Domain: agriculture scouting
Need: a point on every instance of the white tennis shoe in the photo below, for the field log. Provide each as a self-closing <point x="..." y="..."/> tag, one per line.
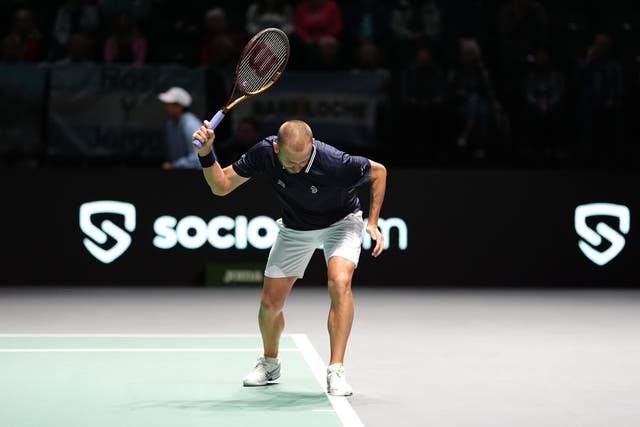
<point x="264" y="372"/>
<point x="337" y="382"/>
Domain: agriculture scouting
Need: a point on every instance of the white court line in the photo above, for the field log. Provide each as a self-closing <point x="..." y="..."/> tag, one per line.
<point x="343" y="408"/>
<point x="131" y="350"/>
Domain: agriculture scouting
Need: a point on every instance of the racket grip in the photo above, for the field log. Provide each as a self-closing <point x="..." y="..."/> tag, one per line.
<point x="213" y="123"/>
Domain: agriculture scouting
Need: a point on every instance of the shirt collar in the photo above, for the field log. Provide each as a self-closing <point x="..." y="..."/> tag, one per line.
<point x="313" y="156"/>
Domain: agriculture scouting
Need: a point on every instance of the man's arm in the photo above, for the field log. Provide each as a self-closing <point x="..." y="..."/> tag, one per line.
<point x="221" y="181"/>
<point x="378" y="186"/>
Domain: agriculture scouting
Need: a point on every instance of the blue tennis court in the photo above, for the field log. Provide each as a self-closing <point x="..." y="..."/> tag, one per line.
<point x="160" y="380"/>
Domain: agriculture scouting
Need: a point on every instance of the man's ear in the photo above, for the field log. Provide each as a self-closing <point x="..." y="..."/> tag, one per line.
<point x="275" y="147"/>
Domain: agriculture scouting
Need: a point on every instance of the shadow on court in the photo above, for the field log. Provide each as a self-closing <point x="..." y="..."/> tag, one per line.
<point x="248" y="399"/>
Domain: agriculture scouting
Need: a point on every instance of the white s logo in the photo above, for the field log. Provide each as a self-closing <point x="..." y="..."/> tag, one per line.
<point x="594" y="238"/>
<point x="107" y="228"/>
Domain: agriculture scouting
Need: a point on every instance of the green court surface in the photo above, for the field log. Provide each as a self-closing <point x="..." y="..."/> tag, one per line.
<point x="160" y="380"/>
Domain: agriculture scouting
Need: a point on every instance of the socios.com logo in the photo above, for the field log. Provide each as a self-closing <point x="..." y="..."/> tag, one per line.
<point x="225" y="232"/>
<point x="97" y="236"/>
<point x="192" y="232"/>
<point x="594" y="238"/>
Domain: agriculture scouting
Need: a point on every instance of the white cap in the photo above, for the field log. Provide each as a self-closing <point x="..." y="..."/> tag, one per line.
<point x="176" y="95"/>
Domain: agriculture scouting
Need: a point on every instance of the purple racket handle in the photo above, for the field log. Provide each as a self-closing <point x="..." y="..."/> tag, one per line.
<point x="213" y="123"/>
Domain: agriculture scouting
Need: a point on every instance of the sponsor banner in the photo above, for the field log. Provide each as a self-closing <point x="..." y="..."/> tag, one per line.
<point x="113" y="110"/>
<point x="342" y="107"/>
<point x="22" y="89"/>
<point x="232" y="274"/>
<point x="451" y="228"/>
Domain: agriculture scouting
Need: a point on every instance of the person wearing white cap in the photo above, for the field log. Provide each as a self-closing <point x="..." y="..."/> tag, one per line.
<point x="180" y="125"/>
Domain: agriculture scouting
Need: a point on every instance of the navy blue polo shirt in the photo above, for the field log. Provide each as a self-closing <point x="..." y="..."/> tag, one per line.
<point x="323" y="192"/>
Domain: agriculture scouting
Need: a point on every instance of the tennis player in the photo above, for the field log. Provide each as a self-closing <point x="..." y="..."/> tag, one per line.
<point x="317" y="186"/>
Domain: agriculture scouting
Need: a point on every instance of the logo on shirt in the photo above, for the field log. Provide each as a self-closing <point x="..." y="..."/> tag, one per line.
<point x="313" y="189"/>
<point x="281" y="184"/>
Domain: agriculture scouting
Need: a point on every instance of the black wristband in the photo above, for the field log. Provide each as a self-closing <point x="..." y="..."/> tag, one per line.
<point x="208" y="160"/>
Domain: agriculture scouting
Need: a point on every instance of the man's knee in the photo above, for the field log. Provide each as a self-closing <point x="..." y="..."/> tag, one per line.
<point x="271" y="302"/>
<point x="274" y="294"/>
<point x="340" y="284"/>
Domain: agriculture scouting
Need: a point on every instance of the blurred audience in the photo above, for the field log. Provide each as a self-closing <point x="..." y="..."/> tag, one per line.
<point x="221" y="44"/>
<point x="588" y="95"/>
<point x="544" y="87"/>
<point x="422" y="100"/>
<point x="470" y="92"/>
<point x="245" y="136"/>
<point x="366" y="24"/>
<point x="600" y="100"/>
<point x="25" y="42"/>
<point x="139" y="10"/>
<point x="366" y="20"/>
<point x="369" y="57"/>
<point x="414" y="22"/>
<point x="269" y="14"/>
<point x="318" y="25"/>
<point x="125" y="44"/>
<point x="74" y="17"/>
<point x="78" y="50"/>
<point x="523" y="28"/>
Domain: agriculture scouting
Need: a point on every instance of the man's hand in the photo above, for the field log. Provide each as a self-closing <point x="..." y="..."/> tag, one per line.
<point x="206" y="136"/>
<point x="374" y="232"/>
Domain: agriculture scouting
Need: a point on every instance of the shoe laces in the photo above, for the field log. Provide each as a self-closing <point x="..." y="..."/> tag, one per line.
<point x="265" y="364"/>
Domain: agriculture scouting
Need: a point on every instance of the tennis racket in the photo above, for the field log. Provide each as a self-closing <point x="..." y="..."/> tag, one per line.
<point x="261" y="64"/>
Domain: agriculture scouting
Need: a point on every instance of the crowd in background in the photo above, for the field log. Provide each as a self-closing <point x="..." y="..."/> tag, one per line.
<point x="470" y="81"/>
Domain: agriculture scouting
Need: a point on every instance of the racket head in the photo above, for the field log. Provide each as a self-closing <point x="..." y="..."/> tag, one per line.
<point x="262" y="61"/>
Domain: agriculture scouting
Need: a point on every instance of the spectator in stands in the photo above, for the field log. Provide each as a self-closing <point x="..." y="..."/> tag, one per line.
<point x="74" y="17"/>
<point x="414" y="23"/>
<point x="523" y="27"/>
<point x="244" y="137"/>
<point x="139" y="10"/>
<point x="179" y="128"/>
<point x="221" y="44"/>
<point x="472" y="97"/>
<point x="78" y="50"/>
<point x="544" y="87"/>
<point x="125" y="45"/>
<point x="600" y="99"/>
<point x="11" y="49"/>
<point x="422" y="98"/>
<point x="366" y="20"/>
<point x="269" y="14"/>
<point x="318" y="25"/>
<point x="369" y="56"/>
<point x="25" y="42"/>
<point x="366" y="30"/>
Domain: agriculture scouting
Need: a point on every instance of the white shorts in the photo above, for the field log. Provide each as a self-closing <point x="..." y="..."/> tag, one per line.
<point x="292" y="250"/>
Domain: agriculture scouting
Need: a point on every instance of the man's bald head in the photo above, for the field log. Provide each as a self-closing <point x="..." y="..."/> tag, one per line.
<point x="295" y="136"/>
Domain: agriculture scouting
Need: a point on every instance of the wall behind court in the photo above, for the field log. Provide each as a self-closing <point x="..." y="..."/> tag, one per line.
<point x="450" y="228"/>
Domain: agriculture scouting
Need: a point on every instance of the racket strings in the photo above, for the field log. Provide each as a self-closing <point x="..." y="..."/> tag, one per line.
<point x="262" y="61"/>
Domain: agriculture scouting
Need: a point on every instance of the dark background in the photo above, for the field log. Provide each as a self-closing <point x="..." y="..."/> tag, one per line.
<point x="489" y="146"/>
<point x="593" y="49"/>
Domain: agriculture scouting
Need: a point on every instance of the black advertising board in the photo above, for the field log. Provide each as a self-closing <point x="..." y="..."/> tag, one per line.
<point x="443" y="227"/>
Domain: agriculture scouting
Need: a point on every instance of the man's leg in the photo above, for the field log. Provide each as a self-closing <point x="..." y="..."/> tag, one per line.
<point x="271" y="320"/>
<point x="340" y="273"/>
<point x="270" y="315"/>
